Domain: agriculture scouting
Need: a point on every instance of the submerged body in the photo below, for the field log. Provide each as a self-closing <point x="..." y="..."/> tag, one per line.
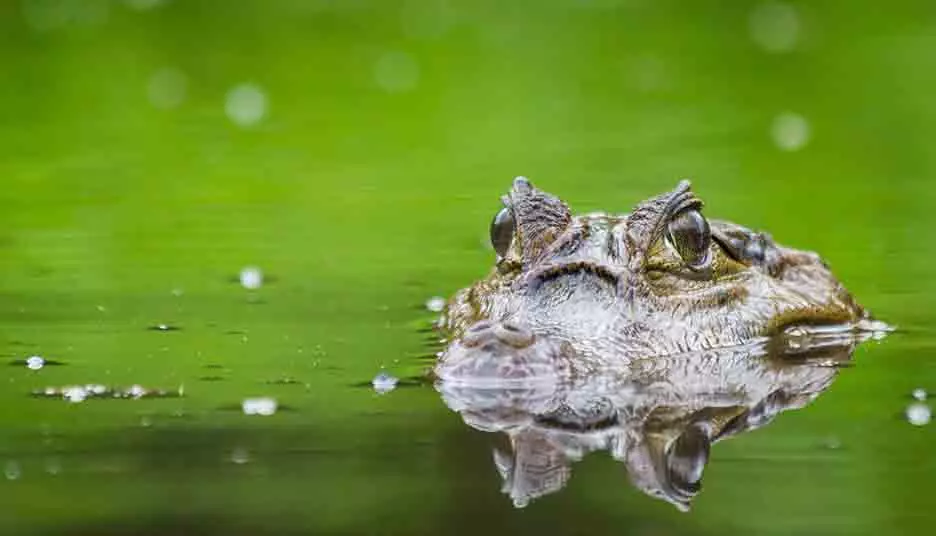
<point x="569" y="294"/>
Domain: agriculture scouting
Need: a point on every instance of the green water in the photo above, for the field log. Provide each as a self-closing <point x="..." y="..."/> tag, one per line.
<point x="365" y="187"/>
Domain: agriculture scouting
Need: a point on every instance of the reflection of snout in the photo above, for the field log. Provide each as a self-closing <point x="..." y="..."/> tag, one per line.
<point x="501" y="352"/>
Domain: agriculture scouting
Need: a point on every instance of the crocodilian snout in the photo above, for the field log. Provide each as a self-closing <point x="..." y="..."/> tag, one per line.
<point x="496" y="353"/>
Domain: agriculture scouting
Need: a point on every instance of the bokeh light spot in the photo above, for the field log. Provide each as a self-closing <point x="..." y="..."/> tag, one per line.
<point x="246" y="105"/>
<point x="790" y="131"/>
<point x="775" y="27"/>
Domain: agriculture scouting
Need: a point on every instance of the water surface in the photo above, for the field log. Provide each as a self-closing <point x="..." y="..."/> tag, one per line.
<point x="355" y="152"/>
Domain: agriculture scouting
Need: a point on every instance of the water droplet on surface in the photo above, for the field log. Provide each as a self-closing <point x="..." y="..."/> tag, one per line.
<point x="136" y="391"/>
<point x="167" y="88"/>
<point x="74" y="394"/>
<point x="12" y="470"/>
<point x="246" y="105"/>
<point x="919" y="393"/>
<point x="790" y="131"/>
<point x="775" y="27"/>
<point x="384" y="383"/>
<point x="918" y="414"/>
<point x="53" y="466"/>
<point x="251" y="278"/>
<point x="163" y="327"/>
<point x="259" y="406"/>
<point x="35" y="362"/>
<point x="435" y="304"/>
<point x="396" y="72"/>
<point x="240" y="456"/>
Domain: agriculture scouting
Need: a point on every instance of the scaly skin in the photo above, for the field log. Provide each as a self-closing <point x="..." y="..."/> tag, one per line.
<point x="651" y="335"/>
<point x="615" y="288"/>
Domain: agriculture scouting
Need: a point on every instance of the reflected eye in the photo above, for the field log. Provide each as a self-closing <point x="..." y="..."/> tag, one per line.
<point x="502" y="230"/>
<point x="690" y="234"/>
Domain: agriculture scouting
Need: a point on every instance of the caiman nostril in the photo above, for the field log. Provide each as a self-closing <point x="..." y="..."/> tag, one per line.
<point x="482" y="325"/>
<point x="514" y="335"/>
<point x="477" y="333"/>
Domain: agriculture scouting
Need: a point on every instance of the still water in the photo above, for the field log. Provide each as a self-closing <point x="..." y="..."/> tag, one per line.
<point x="220" y="222"/>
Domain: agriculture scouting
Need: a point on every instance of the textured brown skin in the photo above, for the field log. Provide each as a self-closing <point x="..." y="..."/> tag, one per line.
<point x="614" y="289"/>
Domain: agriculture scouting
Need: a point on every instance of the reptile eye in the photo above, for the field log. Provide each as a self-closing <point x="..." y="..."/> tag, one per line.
<point x="502" y="230"/>
<point x="689" y="233"/>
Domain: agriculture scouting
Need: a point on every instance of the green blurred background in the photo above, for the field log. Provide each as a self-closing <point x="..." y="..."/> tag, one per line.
<point x="355" y="151"/>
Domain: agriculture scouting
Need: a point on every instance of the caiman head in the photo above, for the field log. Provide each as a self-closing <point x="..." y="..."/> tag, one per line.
<point x="661" y="280"/>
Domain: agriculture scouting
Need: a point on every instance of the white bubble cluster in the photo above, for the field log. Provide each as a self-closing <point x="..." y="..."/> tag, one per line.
<point x="790" y="132"/>
<point x="75" y="394"/>
<point x="396" y="72"/>
<point x="259" y="406"/>
<point x="435" y="304"/>
<point x="251" y="277"/>
<point x="918" y="414"/>
<point x="167" y="88"/>
<point x="35" y="362"/>
<point x="384" y="383"/>
<point x="246" y="105"/>
<point x="775" y="27"/>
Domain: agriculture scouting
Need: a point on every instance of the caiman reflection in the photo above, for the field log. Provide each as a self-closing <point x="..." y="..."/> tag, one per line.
<point x="657" y="416"/>
<point x="651" y="335"/>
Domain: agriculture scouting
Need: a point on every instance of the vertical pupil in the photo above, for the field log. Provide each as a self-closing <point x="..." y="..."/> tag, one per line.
<point x="502" y="229"/>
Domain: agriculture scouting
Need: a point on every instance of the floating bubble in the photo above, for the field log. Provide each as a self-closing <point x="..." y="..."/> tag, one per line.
<point x="396" y="72"/>
<point x="74" y="394"/>
<point x="136" y="391"/>
<point x="246" y="105"/>
<point x="435" y="304"/>
<point x="167" y="88"/>
<point x="919" y="393"/>
<point x="240" y="456"/>
<point x="918" y="414"/>
<point x="259" y="406"/>
<point x="163" y="327"/>
<point x="53" y="466"/>
<point x="384" y="383"/>
<point x="775" y="27"/>
<point x="790" y="131"/>
<point x="96" y="389"/>
<point x="251" y="278"/>
<point x="12" y="470"/>
<point x="35" y="362"/>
